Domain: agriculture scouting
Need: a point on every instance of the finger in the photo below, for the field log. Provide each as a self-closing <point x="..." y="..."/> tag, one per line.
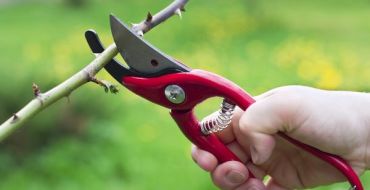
<point x="204" y="159"/>
<point x="272" y="185"/>
<point x="230" y="175"/>
<point x="252" y="184"/>
<point x="261" y="121"/>
<point x="232" y="132"/>
<point x="227" y="135"/>
<point x="238" y="151"/>
<point x="258" y="172"/>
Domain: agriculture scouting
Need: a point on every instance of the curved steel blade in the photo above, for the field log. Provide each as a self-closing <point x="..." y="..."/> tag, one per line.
<point x="139" y="54"/>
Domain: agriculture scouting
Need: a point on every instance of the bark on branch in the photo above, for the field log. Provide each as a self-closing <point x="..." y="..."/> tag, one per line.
<point x="43" y="100"/>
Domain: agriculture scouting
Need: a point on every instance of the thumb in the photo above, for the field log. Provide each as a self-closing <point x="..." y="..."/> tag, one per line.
<point x="263" y="119"/>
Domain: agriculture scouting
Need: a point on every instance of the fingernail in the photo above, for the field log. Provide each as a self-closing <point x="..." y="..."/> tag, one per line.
<point x="235" y="177"/>
<point x="254" y="155"/>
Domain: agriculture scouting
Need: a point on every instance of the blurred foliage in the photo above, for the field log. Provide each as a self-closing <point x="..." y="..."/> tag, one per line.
<point x="76" y="3"/>
<point x="94" y="140"/>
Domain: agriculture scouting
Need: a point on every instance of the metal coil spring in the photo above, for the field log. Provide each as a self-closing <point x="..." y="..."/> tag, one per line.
<point x="219" y="120"/>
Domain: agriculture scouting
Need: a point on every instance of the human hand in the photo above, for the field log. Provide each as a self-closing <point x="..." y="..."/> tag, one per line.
<point x="337" y="122"/>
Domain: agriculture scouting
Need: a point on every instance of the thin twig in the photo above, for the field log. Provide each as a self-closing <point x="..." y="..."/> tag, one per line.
<point x="150" y="22"/>
<point x="43" y="100"/>
<point x="108" y="87"/>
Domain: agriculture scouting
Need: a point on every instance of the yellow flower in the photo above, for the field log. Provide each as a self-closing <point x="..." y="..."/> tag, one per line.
<point x="330" y="77"/>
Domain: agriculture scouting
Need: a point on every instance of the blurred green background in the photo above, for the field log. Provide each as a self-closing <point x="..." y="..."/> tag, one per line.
<point x="102" y="141"/>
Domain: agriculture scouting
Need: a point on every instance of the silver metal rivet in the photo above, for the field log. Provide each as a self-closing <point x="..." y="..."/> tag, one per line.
<point x="175" y="94"/>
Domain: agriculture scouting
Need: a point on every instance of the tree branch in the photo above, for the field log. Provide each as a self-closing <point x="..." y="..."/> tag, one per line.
<point x="43" y="100"/>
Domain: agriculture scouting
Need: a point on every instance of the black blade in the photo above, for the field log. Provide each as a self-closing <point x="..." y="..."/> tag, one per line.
<point x="139" y="55"/>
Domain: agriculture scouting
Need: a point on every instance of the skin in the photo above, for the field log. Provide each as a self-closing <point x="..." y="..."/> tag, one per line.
<point x="337" y="122"/>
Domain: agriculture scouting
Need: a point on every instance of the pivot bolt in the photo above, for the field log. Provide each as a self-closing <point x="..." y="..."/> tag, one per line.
<point x="175" y="94"/>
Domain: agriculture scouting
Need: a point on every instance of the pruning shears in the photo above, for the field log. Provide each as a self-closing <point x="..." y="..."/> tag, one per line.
<point x="167" y="82"/>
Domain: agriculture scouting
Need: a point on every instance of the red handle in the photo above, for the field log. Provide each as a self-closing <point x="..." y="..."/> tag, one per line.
<point x="189" y="125"/>
<point x="200" y="85"/>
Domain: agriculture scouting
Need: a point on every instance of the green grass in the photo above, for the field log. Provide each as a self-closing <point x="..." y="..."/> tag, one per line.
<point x="101" y="141"/>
